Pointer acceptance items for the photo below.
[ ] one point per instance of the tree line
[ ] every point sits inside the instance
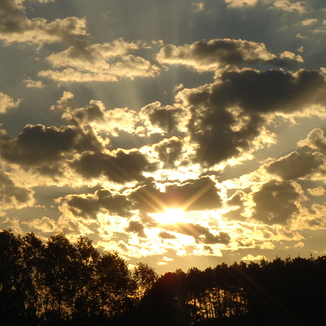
(60, 282)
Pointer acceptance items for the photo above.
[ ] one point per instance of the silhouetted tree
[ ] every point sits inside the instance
(59, 282)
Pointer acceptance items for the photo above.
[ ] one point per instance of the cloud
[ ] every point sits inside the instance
(16, 27)
(209, 55)
(6, 102)
(288, 5)
(164, 118)
(190, 195)
(251, 257)
(94, 112)
(297, 165)
(45, 224)
(166, 235)
(12, 196)
(121, 120)
(200, 233)
(240, 202)
(99, 62)
(33, 83)
(276, 202)
(240, 3)
(315, 140)
(38, 144)
(136, 227)
(318, 191)
(229, 117)
(169, 151)
(91, 57)
(308, 21)
(119, 166)
(89, 205)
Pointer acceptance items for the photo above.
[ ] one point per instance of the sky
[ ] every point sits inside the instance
(177, 133)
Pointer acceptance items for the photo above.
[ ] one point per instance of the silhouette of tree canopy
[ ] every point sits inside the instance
(59, 282)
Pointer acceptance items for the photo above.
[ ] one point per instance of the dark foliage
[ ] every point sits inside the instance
(65, 283)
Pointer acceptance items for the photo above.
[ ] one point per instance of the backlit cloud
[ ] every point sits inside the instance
(297, 165)
(276, 202)
(209, 55)
(16, 27)
(38, 144)
(181, 133)
(13, 196)
(6, 102)
(84, 62)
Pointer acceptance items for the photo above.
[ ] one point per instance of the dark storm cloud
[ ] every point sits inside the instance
(297, 165)
(200, 233)
(89, 205)
(276, 202)
(38, 144)
(12, 195)
(169, 151)
(207, 55)
(200, 194)
(230, 114)
(120, 167)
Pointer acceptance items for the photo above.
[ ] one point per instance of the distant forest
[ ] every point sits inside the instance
(65, 283)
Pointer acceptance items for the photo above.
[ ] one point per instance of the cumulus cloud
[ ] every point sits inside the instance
(121, 120)
(44, 224)
(12, 196)
(136, 227)
(276, 202)
(166, 235)
(169, 151)
(200, 233)
(308, 21)
(288, 5)
(89, 205)
(160, 118)
(190, 195)
(251, 257)
(119, 166)
(297, 165)
(94, 112)
(16, 27)
(208, 55)
(318, 191)
(38, 144)
(240, 3)
(6, 102)
(229, 117)
(316, 140)
(33, 83)
(99, 62)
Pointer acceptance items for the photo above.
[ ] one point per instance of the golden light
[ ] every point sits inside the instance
(170, 216)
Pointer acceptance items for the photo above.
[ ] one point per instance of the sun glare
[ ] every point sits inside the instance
(170, 216)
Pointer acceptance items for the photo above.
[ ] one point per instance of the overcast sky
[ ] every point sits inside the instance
(178, 133)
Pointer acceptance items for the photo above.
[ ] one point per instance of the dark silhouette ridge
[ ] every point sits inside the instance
(65, 283)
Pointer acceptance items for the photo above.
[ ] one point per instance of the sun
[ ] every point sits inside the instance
(170, 216)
